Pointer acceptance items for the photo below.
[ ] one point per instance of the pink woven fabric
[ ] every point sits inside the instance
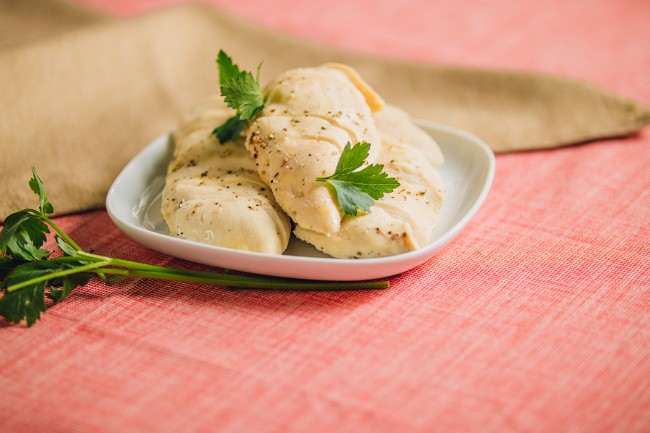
(535, 319)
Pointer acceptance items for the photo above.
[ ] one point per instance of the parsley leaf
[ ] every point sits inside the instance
(7, 264)
(36, 185)
(242, 92)
(22, 236)
(67, 249)
(357, 190)
(230, 129)
(67, 284)
(227, 69)
(27, 304)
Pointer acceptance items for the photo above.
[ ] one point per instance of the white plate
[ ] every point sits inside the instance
(133, 203)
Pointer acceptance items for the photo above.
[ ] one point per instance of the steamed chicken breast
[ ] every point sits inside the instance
(395, 126)
(309, 116)
(213, 193)
(401, 221)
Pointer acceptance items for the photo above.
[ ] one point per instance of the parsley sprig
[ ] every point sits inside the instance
(242, 92)
(358, 190)
(29, 273)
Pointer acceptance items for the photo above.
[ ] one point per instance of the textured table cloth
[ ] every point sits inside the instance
(536, 318)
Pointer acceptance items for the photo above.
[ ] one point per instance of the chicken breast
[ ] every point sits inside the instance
(309, 116)
(395, 126)
(213, 193)
(404, 220)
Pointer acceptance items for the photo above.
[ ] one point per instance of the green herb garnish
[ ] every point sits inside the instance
(242, 92)
(357, 190)
(29, 273)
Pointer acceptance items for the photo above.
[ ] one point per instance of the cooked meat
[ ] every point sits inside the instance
(232, 194)
(310, 115)
(395, 126)
(403, 220)
(213, 193)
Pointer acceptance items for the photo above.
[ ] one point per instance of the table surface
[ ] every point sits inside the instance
(535, 319)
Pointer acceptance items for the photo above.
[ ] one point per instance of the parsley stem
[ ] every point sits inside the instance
(56, 274)
(60, 232)
(144, 270)
(122, 263)
(128, 268)
(241, 281)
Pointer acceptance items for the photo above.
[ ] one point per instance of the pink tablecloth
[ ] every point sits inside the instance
(535, 319)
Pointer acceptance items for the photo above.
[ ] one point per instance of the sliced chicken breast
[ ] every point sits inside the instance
(213, 193)
(309, 116)
(404, 220)
(396, 126)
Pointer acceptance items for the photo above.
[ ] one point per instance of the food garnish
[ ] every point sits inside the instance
(30, 273)
(242, 92)
(357, 190)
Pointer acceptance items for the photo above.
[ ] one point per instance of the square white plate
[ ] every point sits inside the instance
(133, 203)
